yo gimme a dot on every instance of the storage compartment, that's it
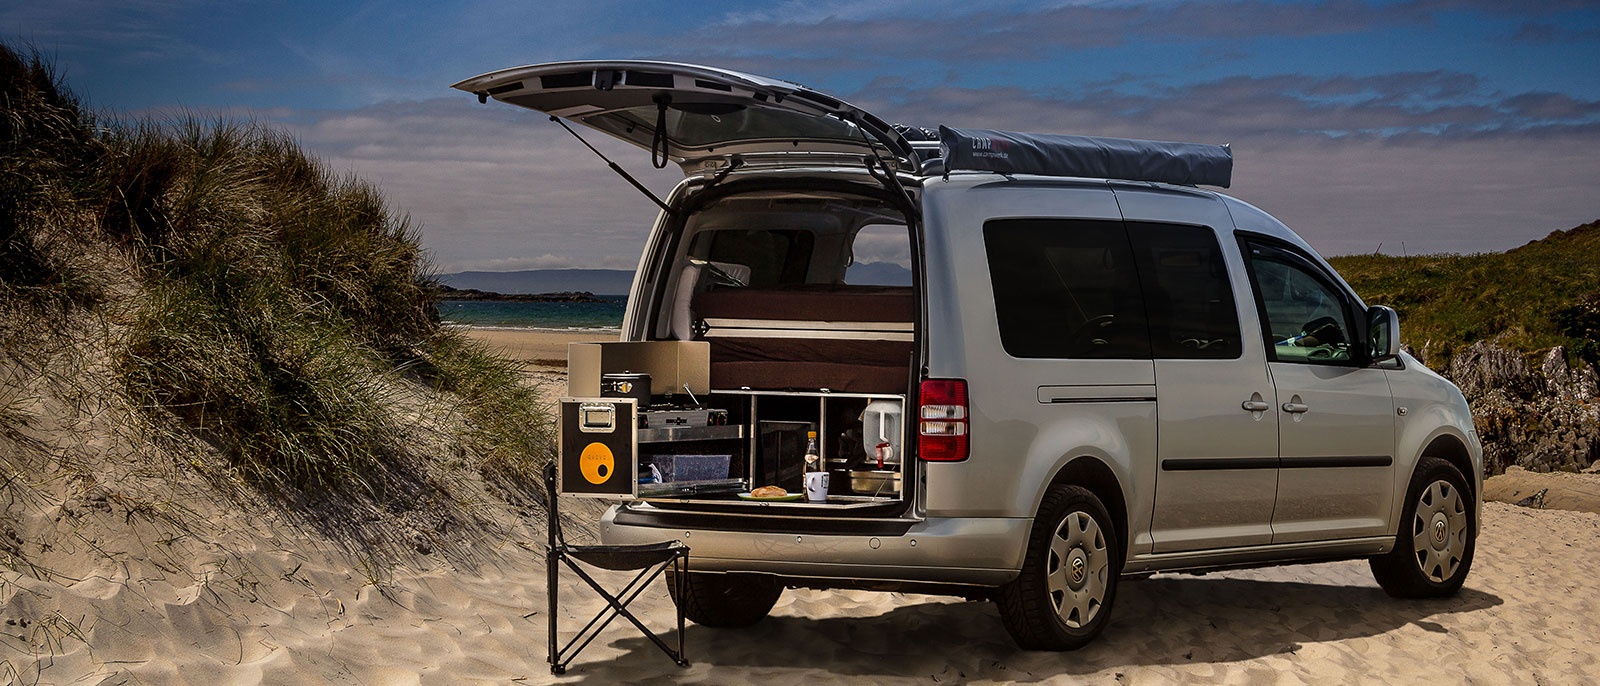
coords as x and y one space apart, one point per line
849 446
778 443
672 366
694 450
737 441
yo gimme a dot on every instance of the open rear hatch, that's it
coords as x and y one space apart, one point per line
699 117
762 370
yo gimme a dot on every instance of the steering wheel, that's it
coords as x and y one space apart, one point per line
1091 325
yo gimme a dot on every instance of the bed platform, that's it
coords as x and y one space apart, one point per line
842 338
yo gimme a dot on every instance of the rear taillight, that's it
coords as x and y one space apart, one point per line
942 420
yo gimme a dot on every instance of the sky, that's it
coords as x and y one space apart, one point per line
1408 126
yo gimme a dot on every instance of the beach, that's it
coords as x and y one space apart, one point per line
539 350
1529 614
111 584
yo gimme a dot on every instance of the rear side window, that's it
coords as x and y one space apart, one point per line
1066 288
1187 296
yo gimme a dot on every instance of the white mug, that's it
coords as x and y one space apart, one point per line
816 486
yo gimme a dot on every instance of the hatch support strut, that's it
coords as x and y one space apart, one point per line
890 180
614 167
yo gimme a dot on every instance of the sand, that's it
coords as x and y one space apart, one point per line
1530 613
1554 491
543 350
122 593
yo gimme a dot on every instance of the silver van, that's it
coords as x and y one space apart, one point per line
1030 365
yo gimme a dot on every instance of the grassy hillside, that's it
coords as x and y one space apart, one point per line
246 296
1531 298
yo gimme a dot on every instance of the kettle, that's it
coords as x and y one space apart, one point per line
880 432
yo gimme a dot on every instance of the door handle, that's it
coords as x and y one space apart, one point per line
1255 405
1295 408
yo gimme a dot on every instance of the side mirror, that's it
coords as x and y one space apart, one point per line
1383 333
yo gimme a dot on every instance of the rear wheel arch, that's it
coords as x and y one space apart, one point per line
1093 474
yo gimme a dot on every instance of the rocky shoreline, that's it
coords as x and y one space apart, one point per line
475 295
1543 419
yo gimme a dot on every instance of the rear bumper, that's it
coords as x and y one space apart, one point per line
981 551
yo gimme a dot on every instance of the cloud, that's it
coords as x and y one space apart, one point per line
963 33
1552 106
492 186
1438 104
1545 33
507 264
1471 195
1347 161
135 31
1435 159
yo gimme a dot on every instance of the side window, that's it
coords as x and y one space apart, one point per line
1066 289
1187 295
1304 314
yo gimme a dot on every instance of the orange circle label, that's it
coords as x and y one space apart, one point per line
596 463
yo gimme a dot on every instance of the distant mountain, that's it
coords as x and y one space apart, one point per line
597 281
475 295
877 274
619 281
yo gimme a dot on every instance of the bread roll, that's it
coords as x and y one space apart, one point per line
769 492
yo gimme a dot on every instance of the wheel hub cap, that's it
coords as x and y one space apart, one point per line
1077 569
1439 531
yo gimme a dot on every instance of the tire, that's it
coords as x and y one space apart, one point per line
1072 526
725 600
1432 552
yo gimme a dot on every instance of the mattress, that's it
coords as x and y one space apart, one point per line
843 338
823 303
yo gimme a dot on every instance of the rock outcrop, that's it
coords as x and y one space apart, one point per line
1545 419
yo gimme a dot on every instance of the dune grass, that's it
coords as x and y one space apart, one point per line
273 308
498 406
46 154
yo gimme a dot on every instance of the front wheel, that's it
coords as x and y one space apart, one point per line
1438 533
1062 598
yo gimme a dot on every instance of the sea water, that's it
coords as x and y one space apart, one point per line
559 316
